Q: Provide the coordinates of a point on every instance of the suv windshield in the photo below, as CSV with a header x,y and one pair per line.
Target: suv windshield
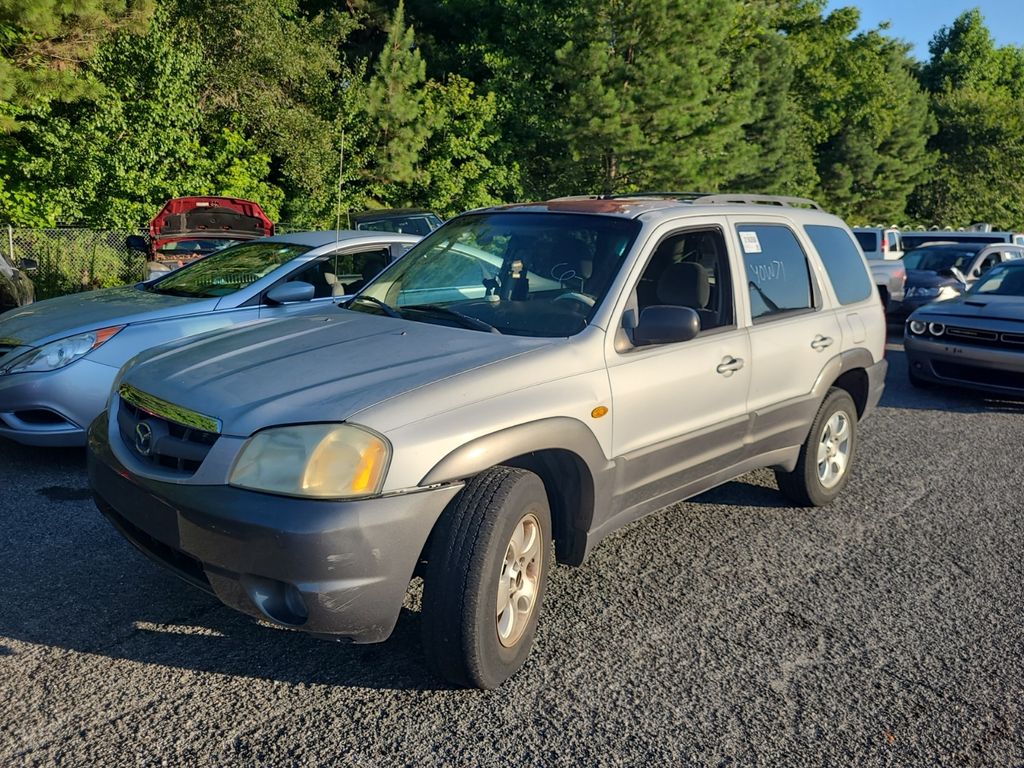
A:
x,y
227,271
938,259
526,274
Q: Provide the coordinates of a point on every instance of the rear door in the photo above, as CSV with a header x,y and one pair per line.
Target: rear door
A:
x,y
793,333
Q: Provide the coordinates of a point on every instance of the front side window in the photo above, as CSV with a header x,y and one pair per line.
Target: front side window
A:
x,y
778,276
690,269
224,272
842,263
526,274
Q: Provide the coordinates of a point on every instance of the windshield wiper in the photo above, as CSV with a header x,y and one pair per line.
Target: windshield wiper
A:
x,y
464,320
387,308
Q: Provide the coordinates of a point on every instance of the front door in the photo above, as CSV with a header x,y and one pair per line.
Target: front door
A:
x,y
679,410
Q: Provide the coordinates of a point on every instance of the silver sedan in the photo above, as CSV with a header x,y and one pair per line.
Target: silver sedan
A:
x,y
59,357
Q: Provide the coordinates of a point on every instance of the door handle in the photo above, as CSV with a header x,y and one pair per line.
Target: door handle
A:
x,y
729,365
820,342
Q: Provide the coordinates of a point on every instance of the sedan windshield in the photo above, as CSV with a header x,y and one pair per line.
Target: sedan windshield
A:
x,y
227,271
526,274
1001,281
939,259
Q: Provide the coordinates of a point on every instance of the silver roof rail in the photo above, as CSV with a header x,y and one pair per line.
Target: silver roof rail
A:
x,y
780,200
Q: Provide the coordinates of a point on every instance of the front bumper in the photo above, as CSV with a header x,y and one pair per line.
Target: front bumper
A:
x,y
337,568
964,365
54,408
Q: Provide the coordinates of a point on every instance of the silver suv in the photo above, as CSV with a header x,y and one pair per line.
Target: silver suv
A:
x,y
525,381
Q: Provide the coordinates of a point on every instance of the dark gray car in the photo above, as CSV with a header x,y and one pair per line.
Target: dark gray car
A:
x,y
16,289
974,341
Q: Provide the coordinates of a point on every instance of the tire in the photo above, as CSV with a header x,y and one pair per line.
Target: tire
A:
x,y
810,484
468,638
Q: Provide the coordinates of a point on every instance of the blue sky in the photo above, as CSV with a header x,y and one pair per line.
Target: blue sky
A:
x,y
917,21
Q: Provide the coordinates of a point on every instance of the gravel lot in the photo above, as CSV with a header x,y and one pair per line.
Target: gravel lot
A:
x,y
886,629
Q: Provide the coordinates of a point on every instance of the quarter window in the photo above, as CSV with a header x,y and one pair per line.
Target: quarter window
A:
x,y
778,276
842,262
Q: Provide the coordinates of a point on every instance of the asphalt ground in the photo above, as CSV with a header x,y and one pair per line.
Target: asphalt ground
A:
x,y
731,630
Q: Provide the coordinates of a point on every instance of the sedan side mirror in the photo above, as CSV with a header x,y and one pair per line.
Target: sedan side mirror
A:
x,y
28,265
666,324
137,243
288,293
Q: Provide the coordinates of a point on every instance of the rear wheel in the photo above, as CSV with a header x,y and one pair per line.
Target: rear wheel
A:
x,y
823,468
486,572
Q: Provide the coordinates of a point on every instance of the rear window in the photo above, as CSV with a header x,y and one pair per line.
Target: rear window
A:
x,y
868,241
842,262
777,272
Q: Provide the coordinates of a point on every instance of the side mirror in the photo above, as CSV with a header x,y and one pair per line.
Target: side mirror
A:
x,y
28,265
137,243
665,324
288,293
977,272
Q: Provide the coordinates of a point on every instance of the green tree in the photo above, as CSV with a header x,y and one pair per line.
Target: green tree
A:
x,y
44,43
652,104
977,94
395,110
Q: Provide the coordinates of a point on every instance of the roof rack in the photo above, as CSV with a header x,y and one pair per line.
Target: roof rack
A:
x,y
666,195
780,200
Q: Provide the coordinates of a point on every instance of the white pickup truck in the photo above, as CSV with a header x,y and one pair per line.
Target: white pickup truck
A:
x,y
883,247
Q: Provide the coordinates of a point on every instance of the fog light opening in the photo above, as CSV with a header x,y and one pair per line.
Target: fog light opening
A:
x,y
277,600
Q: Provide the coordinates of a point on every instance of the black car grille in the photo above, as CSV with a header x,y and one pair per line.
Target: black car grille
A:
x,y
973,374
161,442
985,338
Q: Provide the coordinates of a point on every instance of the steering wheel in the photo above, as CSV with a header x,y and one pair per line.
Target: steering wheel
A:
x,y
582,298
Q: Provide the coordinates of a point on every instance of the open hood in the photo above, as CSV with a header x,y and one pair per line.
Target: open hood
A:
x,y
210,217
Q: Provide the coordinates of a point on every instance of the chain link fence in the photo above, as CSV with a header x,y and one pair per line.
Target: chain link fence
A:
x,y
69,260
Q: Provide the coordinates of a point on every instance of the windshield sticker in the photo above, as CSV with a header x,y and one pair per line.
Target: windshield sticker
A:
x,y
750,242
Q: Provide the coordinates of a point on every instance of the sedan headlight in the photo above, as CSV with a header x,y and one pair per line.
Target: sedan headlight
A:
x,y
917,327
922,293
324,461
57,354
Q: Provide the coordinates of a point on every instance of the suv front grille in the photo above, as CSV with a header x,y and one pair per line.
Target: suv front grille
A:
x,y
157,436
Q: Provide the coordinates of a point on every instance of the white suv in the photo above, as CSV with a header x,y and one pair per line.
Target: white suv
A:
x,y
522,383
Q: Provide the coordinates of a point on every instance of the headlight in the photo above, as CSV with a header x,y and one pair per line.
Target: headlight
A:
x,y
324,461
922,293
917,327
60,353
936,329
947,292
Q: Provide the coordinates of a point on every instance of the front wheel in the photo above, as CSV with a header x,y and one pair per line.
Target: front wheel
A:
x,y
486,570
823,468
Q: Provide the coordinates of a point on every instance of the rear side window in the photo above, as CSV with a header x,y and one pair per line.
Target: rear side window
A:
x,y
868,241
778,277
843,263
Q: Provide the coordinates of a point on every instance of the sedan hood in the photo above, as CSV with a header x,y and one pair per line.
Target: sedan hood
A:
x,y
63,316
313,368
978,307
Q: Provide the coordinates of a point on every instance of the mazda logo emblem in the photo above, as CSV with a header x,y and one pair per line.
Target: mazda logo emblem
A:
x,y
144,438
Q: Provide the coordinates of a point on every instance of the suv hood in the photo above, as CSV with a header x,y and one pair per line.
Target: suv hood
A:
x,y
56,318
313,368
